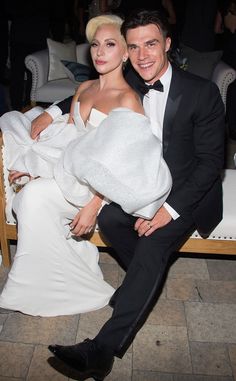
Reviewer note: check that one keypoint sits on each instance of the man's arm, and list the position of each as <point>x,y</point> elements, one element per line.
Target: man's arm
<point>208,147</point>
<point>64,105</point>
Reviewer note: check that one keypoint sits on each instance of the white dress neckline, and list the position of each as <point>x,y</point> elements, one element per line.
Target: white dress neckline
<point>95,118</point>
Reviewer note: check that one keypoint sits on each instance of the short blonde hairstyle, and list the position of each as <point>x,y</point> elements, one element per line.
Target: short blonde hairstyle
<point>98,21</point>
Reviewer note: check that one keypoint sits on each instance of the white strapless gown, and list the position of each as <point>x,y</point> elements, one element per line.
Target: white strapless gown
<point>53,273</point>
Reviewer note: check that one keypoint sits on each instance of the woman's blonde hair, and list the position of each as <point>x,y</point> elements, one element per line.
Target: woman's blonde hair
<point>98,21</point>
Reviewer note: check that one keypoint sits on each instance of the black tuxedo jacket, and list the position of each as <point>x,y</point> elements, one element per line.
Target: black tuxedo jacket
<point>193,146</point>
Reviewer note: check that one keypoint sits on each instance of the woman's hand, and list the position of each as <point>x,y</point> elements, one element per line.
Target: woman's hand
<point>84,221</point>
<point>39,124</point>
<point>15,175</point>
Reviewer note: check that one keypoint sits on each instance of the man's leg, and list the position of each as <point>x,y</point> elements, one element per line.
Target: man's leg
<point>143,281</point>
<point>118,228</point>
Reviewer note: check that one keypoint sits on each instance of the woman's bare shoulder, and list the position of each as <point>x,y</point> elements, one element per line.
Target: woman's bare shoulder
<point>131,99</point>
<point>84,86</point>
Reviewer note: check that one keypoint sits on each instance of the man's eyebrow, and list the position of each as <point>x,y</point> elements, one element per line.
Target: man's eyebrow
<point>151,41</point>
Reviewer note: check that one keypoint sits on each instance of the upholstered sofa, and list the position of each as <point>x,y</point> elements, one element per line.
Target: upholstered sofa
<point>50,91</point>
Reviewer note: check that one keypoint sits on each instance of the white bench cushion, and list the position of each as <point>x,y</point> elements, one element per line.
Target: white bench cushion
<point>226,230</point>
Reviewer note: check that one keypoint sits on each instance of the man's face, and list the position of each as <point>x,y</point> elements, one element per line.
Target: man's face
<point>147,50</point>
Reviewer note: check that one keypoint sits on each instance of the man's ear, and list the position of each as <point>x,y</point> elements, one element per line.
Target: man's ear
<point>168,44</point>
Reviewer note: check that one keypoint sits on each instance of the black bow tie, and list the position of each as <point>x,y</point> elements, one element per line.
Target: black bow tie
<point>144,88</point>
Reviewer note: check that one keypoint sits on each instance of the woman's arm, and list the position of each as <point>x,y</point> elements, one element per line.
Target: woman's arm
<point>85,220</point>
<point>72,106</point>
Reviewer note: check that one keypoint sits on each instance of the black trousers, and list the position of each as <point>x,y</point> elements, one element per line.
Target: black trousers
<point>146,261</point>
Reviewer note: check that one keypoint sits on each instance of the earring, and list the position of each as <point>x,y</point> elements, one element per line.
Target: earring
<point>124,59</point>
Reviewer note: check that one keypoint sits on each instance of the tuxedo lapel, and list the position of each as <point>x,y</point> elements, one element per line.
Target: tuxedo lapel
<point>172,105</point>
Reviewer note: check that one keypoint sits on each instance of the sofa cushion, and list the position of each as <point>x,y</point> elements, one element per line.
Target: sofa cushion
<point>76,71</point>
<point>57,52</point>
<point>201,63</point>
<point>56,90</point>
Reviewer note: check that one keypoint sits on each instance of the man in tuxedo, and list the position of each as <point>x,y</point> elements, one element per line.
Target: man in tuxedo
<point>191,115</point>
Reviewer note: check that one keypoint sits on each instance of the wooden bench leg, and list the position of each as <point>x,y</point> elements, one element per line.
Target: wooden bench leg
<point>6,255</point>
<point>4,241</point>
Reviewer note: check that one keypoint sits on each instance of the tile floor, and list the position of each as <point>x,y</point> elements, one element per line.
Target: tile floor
<point>189,336</point>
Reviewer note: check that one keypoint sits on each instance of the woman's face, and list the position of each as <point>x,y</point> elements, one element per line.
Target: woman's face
<point>108,49</point>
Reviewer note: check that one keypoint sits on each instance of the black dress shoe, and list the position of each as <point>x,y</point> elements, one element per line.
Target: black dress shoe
<point>88,358</point>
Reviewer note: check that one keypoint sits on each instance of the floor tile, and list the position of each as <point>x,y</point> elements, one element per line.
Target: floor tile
<point>122,274</point>
<point>110,273</point>
<point>168,312</point>
<point>3,276</point>
<point>210,359</point>
<point>193,268</point>
<point>220,269</point>
<point>191,377</point>
<point>232,356</point>
<point>3,317</point>
<point>91,322</point>
<point>15,359</point>
<point>182,289</point>
<point>122,369</point>
<point>217,291</point>
<point>162,349</point>
<point>40,369</point>
<point>38,330</point>
<point>211,322</point>
<point>105,257</point>
<point>11,379</point>
<point>140,375</point>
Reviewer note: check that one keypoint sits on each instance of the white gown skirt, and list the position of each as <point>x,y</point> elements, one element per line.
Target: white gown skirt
<point>53,273</point>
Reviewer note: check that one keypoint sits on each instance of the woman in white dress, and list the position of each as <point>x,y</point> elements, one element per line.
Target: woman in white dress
<point>55,272</point>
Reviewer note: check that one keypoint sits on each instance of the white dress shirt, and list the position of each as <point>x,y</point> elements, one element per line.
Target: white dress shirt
<point>54,111</point>
<point>154,103</point>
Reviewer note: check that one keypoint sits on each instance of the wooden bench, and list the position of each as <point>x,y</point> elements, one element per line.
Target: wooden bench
<point>221,241</point>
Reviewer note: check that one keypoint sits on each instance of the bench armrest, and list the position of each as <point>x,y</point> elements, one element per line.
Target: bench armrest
<point>37,63</point>
<point>223,75</point>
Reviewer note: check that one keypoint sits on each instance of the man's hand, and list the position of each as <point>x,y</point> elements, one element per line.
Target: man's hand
<point>39,124</point>
<point>145,227</point>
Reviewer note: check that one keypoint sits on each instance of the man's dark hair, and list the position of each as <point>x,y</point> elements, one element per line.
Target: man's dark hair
<point>142,18</point>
